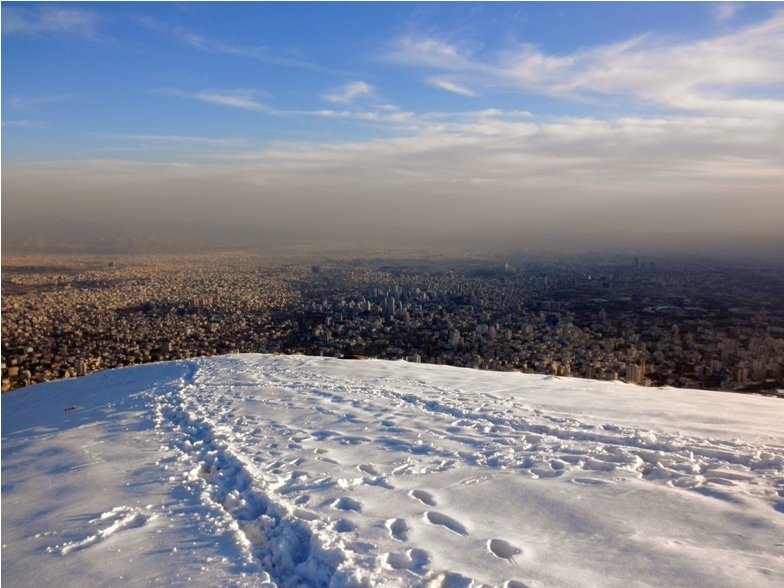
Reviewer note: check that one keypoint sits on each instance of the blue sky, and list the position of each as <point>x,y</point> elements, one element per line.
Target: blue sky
<point>506,107</point>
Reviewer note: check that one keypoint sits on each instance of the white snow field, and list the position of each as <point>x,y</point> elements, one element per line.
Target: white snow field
<point>254,470</point>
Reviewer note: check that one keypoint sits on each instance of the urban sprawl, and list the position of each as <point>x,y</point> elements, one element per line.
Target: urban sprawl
<point>671,322</point>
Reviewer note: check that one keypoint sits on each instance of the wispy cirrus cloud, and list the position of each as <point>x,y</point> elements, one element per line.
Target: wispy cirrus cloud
<point>239,98</point>
<point>245,101</point>
<point>228,142</point>
<point>209,45</point>
<point>248,100</point>
<point>378,115</point>
<point>350,92</point>
<point>430,52</point>
<point>450,86</point>
<point>24,123</point>
<point>28,102</point>
<point>724,11</point>
<point>259,53</point>
<point>50,19</point>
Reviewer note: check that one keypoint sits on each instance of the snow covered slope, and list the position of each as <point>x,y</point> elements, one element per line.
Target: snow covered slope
<point>298,471</point>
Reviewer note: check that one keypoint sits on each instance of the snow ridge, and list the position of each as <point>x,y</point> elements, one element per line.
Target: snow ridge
<point>292,472</point>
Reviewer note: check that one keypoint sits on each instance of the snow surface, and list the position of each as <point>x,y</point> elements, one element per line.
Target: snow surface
<point>253,470</point>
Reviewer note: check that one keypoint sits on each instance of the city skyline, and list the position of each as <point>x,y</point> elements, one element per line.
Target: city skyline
<point>541,125</point>
<point>677,323</point>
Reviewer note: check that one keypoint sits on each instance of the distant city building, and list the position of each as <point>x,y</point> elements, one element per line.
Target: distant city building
<point>633,373</point>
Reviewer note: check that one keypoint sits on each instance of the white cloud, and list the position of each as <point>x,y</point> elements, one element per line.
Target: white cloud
<point>713,75</point>
<point>450,87</point>
<point>380,115</point>
<point>206,141</point>
<point>240,99</point>
<point>348,93</point>
<point>28,103</point>
<point>50,19</point>
<point>432,53</point>
<point>735,74</point>
<point>23,123</point>
<point>210,45</point>
<point>246,100</point>
<point>724,11</point>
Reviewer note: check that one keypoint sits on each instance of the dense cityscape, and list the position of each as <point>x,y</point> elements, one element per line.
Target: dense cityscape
<point>680,323</point>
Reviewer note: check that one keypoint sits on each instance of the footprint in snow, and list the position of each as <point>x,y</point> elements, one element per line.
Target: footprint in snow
<point>502,549</point>
<point>379,481</point>
<point>415,560</point>
<point>398,561</point>
<point>452,580</point>
<point>369,469</point>
<point>437,518</point>
<point>419,560</point>
<point>344,526</point>
<point>424,497</point>
<point>347,503</point>
<point>398,529</point>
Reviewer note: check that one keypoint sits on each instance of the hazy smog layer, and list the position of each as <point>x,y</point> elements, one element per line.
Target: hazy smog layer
<point>149,128</point>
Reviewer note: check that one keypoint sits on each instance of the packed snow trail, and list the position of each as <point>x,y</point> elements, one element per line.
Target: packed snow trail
<point>317,472</point>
